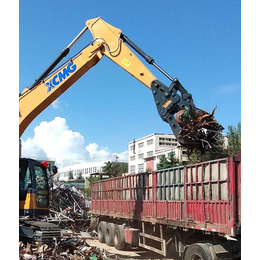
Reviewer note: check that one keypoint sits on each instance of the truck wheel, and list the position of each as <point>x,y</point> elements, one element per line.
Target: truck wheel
<point>101,230</point>
<point>119,237</point>
<point>198,251</point>
<point>110,233</point>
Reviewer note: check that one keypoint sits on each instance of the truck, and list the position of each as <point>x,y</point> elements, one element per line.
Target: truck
<point>193,127</point>
<point>192,210</point>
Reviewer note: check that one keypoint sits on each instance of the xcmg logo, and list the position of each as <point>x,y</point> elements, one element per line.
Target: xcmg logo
<point>58,78</point>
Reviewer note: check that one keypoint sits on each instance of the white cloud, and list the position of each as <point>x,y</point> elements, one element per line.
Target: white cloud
<point>55,140</point>
<point>30,147</point>
<point>123,157</point>
<point>104,154</point>
<point>94,153</point>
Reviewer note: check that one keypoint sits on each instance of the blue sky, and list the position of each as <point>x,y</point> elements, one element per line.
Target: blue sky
<point>198,42</point>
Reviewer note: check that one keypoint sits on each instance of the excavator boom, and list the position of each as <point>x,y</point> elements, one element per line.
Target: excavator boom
<point>174,104</point>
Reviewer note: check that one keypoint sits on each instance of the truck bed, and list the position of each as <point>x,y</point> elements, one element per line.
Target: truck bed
<point>204,196</point>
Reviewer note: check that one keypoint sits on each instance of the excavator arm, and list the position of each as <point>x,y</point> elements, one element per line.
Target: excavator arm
<point>193,128</point>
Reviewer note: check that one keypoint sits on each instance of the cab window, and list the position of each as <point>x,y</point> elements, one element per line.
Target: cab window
<point>42,189</point>
<point>25,179</point>
<point>40,177</point>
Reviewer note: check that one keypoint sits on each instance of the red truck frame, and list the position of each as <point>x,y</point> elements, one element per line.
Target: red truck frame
<point>183,205</point>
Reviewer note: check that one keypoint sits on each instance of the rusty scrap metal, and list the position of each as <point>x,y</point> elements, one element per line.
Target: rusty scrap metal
<point>202,132</point>
<point>75,248</point>
<point>64,196</point>
<point>68,208</point>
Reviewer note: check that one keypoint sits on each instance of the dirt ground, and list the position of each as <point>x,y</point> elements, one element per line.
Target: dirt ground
<point>134,253</point>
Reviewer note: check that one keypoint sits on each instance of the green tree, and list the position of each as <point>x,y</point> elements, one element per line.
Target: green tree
<point>234,139</point>
<point>123,168</point>
<point>115,168</point>
<point>163,164</point>
<point>80,177</point>
<point>108,168</point>
<point>168,162</point>
<point>217,152</point>
<point>111,168</point>
<point>91,180</point>
<point>70,177</point>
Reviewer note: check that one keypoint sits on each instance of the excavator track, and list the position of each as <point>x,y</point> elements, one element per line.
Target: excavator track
<point>39,232</point>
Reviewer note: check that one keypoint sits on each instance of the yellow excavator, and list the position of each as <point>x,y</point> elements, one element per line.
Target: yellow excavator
<point>193,127</point>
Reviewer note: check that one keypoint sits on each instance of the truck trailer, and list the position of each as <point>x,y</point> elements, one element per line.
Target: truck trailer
<point>194,210</point>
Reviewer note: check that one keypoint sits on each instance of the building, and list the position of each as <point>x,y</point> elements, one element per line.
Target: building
<point>180,153</point>
<point>83,169</point>
<point>144,153</point>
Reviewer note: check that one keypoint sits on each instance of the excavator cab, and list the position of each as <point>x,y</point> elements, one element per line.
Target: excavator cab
<point>34,202</point>
<point>33,188</point>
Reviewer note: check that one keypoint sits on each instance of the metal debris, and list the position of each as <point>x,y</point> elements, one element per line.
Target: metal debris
<point>202,132</point>
<point>68,208</point>
<point>75,248</point>
<point>64,196</point>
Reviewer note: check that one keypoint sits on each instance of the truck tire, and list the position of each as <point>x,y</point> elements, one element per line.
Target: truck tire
<point>110,233</point>
<point>198,251</point>
<point>101,230</point>
<point>119,237</point>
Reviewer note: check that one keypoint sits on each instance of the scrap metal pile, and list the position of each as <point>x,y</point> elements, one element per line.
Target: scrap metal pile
<point>202,132</point>
<point>75,248</point>
<point>69,211</point>
<point>68,208</point>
